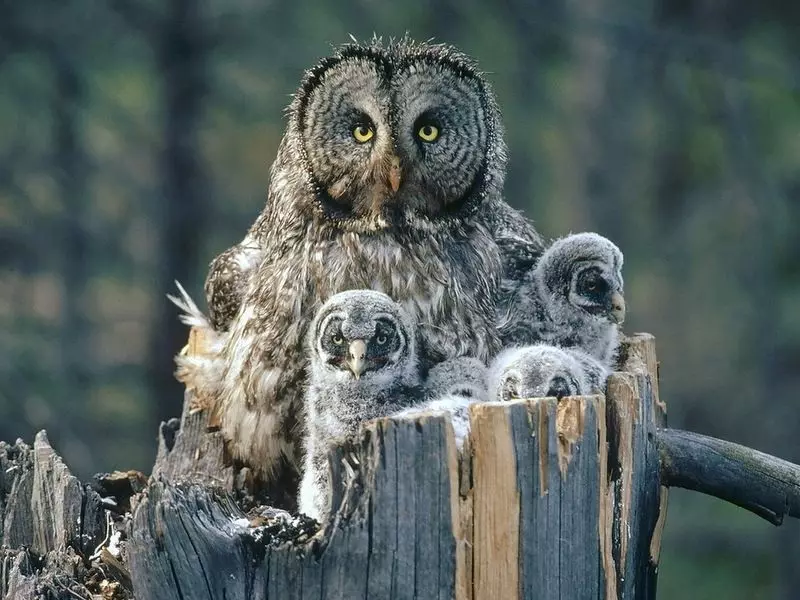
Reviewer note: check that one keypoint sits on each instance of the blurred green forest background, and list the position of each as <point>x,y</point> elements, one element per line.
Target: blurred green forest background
<point>135,141</point>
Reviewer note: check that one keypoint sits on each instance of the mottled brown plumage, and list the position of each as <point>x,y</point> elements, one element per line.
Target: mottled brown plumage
<point>360,197</point>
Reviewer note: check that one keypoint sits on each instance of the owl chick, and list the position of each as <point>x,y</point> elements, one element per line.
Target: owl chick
<point>363,365</point>
<point>451,386</point>
<point>572,298</point>
<point>541,370</point>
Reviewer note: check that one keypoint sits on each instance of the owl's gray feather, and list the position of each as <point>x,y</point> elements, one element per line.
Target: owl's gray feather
<point>541,370</point>
<point>397,214</point>
<point>572,298</point>
<point>463,376</point>
<point>363,365</point>
<point>451,386</point>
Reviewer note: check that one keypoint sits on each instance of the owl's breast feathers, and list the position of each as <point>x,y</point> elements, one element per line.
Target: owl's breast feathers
<point>446,279</point>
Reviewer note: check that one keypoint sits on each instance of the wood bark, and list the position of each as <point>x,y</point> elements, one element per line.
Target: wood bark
<point>394,532</point>
<point>548,498</point>
<point>52,527</point>
<point>763,484</point>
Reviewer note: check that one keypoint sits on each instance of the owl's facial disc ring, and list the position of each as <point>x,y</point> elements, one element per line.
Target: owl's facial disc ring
<point>378,202</point>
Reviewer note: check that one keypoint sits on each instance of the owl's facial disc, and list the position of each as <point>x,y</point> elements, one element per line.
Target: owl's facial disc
<point>389,141</point>
<point>357,347</point>
<point>595,290</point>
<point>442,130</point>
<point>347,140</point>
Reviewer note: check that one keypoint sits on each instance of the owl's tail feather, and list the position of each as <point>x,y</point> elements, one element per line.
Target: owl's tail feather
<point>191,316</point>
<point>201,370</point>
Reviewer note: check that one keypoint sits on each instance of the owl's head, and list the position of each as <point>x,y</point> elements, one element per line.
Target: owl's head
<point>363,335</point>
<point>582,273</point>
<point>536,371</point>
<point>397,134</point>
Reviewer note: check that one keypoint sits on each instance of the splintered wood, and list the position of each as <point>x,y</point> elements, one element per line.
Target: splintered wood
<point>496,500</point>
<point>538,470</point>
<point>547,499</point>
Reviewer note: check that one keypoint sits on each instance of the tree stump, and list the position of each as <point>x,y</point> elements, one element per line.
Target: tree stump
<point>547,498</point>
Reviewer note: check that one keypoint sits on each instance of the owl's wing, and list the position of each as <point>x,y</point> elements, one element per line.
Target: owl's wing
<point>226,283</point>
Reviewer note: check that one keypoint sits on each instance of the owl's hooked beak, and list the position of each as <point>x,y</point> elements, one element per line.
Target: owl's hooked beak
<point>617,312</point>
<point>356,355</point>
<point>394,173</point>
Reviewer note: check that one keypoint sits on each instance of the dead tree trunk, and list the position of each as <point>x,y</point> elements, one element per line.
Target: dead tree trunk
<point>548,499</point>
<point>551,498</point>
<point>52,530</point>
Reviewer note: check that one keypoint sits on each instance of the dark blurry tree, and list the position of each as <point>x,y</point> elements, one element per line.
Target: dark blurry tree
<point>179,35</point>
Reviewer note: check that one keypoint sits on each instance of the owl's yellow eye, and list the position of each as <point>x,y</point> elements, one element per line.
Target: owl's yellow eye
<point>428,133</point>
<point>381,339</point>
<point>337,339</point>
<point>363,133</point>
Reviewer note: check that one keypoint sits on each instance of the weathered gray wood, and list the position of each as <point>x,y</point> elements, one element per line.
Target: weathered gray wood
<point>189,541</point>
<point>189,449</point>
<point>544,517</point>
<point>51,526</point>
<point>637,491</point>
<point>44,506</point>
<point>758,482</point>
<point>634,411</point>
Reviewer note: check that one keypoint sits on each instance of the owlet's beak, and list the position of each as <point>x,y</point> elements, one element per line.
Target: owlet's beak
<point>394,173</point>
<point>356,357</point>
<point>617,312</point>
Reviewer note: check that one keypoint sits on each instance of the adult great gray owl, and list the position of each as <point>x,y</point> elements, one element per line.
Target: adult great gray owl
<point>389,177</point>
<point>363,365</point>
<point>519,242</point>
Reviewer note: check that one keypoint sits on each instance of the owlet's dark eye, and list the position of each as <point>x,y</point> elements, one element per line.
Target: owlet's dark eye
<point>363,133</point>
<point>510,389</point>
<point>428,133</point>
<point>559,387</point>
<point>591,283</point>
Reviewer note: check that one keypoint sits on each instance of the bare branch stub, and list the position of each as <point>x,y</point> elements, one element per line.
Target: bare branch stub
<point>758,482</point>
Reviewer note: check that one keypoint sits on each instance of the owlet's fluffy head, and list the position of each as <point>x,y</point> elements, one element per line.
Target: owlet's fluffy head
<point>397,133</point>
<point>579,277</point>
<point>540,371</point>
<point>363,335</point>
